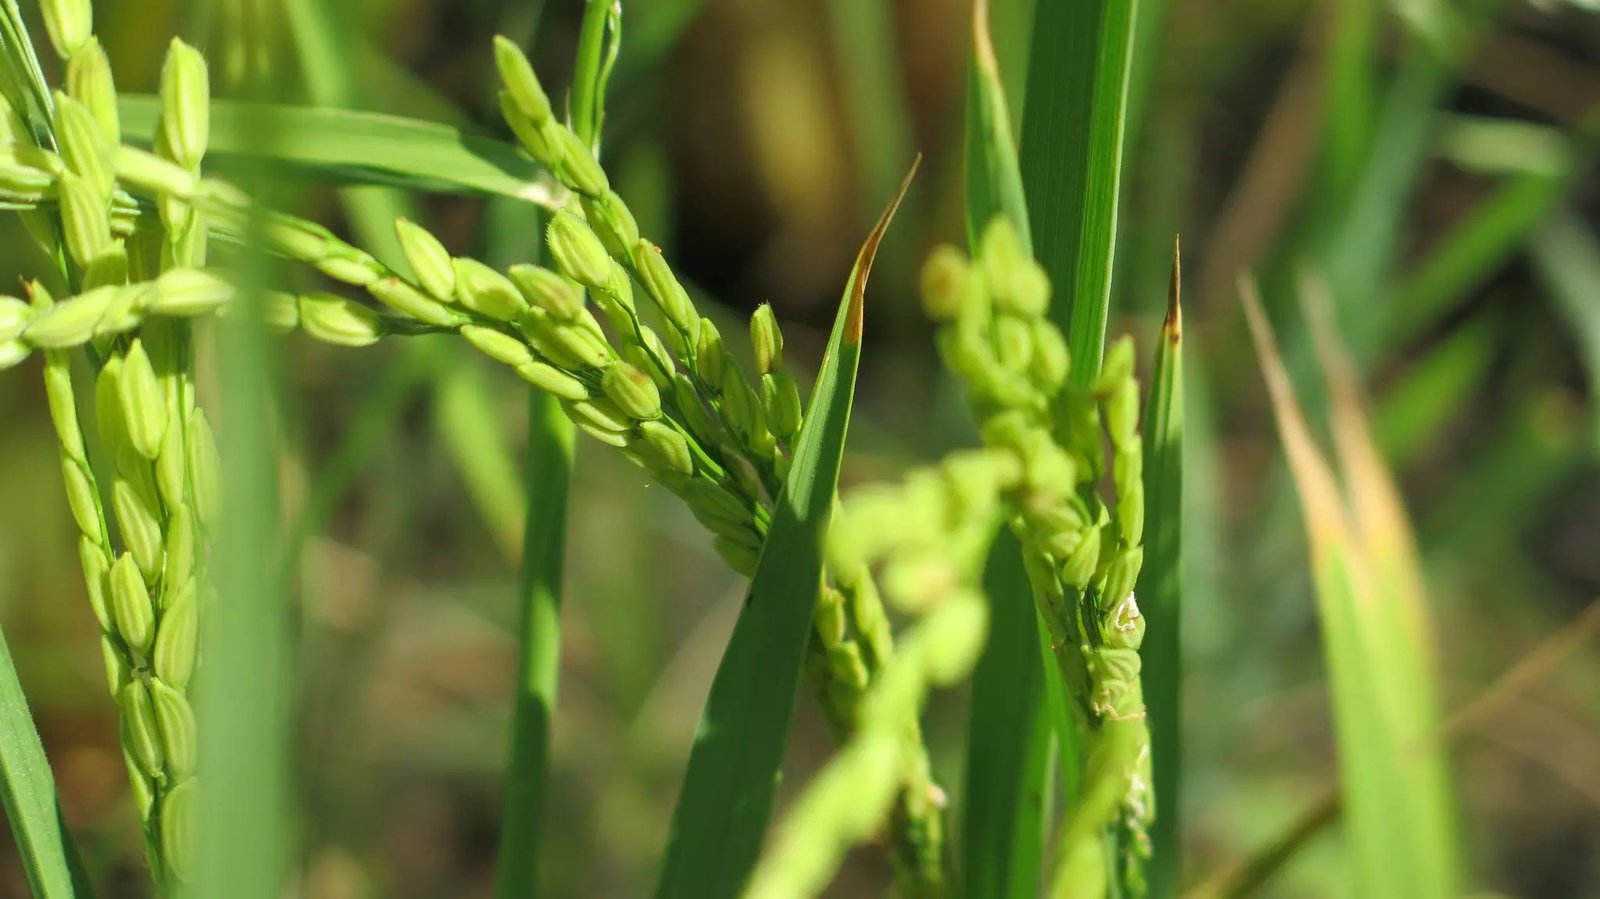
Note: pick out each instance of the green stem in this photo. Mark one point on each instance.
(551, 438)
(550, 460)
(244, 703)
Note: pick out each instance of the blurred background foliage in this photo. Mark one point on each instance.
(1444, 181)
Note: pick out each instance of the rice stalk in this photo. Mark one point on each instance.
(667, 392)
(147, 595)
(730, 781)
(648, 375)
(1083, 554)
(1037, 471)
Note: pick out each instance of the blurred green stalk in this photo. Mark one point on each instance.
(550, 459)
(551, 439)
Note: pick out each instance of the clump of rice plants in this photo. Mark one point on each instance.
(649, 376)
(873, 596)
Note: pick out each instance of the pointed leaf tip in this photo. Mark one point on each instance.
(982, 42)
(1173, 326)
(869, 252)
(1322, 507)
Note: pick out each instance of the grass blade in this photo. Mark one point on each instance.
(361, 148)
(1496, 146)
(550, 460)
(1370, 603)
(1356, 231)
(1072, 160)
(1249, 875)
(597, 43)
(1350, 92)
(1403, 621)
(993, 178)
(28, 792)
(726, 799)
(244, 824)
(1160, 587)
(1419, 405)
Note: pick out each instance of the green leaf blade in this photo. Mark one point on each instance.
(1480, 244)
(1071, 158)
(361, 148)
(28, 793)
(1399, 815)
(245, 701)
(993, 176)
(1008, 741)
(1160, 588)
(732, 775)
(1071, 164)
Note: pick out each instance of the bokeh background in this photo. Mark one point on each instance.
(756, 139)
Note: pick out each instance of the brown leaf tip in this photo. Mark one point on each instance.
(869, 251)
(1173, 326)
(982, 43)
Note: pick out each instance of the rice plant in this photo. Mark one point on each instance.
(1037, 562)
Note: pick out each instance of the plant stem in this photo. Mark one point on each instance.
(550, 448)
(244, 703)
(551, 438)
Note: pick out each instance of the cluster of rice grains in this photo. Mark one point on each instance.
(1082, 552)
(652, 379)
(655, 382)
(924, 543)
(147, 586)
